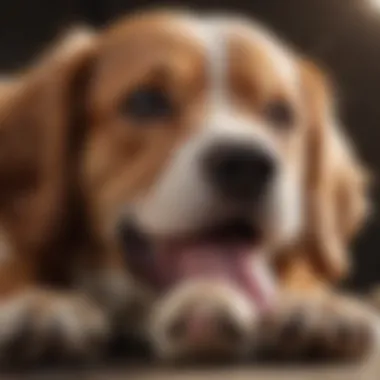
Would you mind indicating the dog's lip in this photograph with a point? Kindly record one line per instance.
(135, 241)
(229, 231)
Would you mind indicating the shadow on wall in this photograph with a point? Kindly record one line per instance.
(342, 35)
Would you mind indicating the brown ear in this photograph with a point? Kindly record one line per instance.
(37, 126)
(336, 182)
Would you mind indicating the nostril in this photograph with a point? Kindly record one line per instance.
(262, 167)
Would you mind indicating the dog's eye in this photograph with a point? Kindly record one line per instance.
(147, 104)
(279, 113)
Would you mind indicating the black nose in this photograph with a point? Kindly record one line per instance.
(239, 171)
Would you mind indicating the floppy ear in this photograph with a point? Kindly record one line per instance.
(336, 181)
(38, 124)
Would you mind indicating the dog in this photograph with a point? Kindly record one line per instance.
(183, 178)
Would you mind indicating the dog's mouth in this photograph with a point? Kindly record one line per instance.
(229, 253)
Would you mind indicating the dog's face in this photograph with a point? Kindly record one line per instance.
(203, 137)
(196, 154)
(206, 117)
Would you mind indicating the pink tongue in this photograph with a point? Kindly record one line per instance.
(228, 263)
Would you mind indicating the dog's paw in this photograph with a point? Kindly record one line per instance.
(42, 326)
(320, 328)
(201, 322)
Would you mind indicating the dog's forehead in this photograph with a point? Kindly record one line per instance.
(218, 39)
(221, 32)
(236, 45)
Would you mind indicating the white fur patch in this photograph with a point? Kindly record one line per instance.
(213, 31)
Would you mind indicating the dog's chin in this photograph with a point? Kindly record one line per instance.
(230, 254)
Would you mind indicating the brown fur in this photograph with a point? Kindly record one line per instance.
(336, 183)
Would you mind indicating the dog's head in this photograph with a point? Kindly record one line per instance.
(198, 147)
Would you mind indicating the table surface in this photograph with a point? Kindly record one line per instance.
(138, 373)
